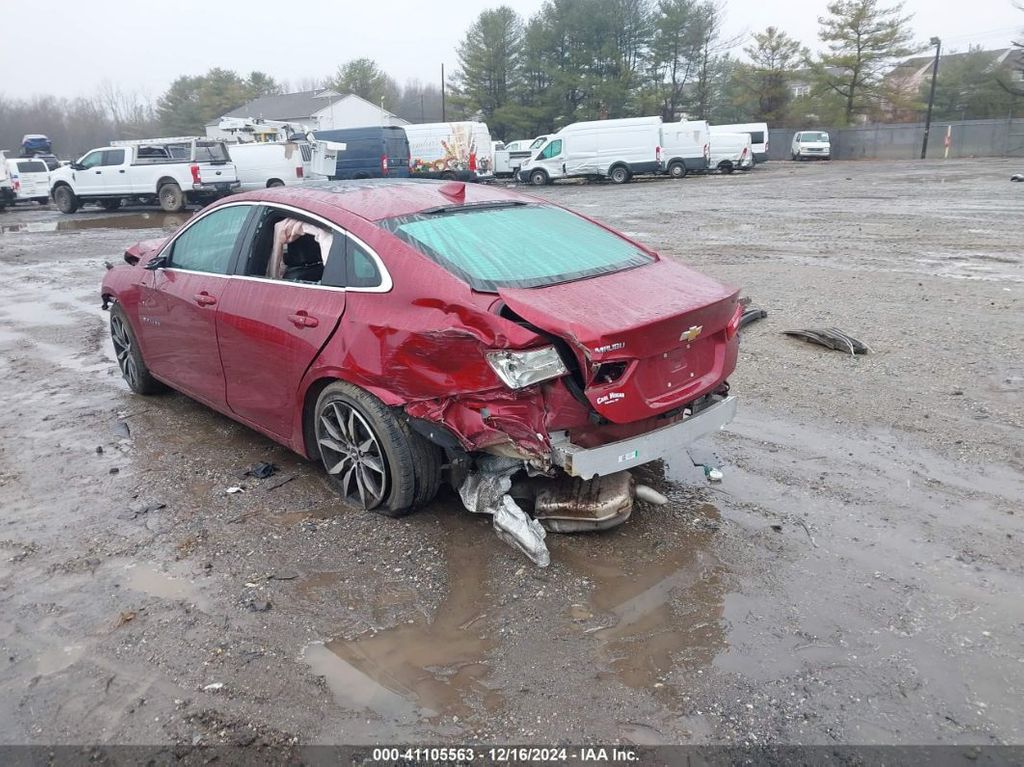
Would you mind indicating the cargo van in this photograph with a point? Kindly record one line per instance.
(378, 152)
(613, 149)
(731, 151)
(277, 163)
(685, 147)
(30, 179)
(456, 150)
(758, 137)
(809, 144)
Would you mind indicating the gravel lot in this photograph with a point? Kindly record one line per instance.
(856, 578)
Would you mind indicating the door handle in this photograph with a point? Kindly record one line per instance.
(99, 172)
(302, 320)
(205, 299)
(121, 171)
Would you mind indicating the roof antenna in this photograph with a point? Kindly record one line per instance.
(454, 190)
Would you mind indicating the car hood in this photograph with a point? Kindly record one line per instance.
(143, 251)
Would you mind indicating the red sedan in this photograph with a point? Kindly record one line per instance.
(396, 329)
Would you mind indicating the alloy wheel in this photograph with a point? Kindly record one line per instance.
(350, 450)
(122, 339)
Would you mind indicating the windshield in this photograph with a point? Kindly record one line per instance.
(522, 246)
(814, 136)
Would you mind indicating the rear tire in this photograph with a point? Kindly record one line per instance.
(619, 174)
(725, 167)
(110, 205)
(538, 178)
(65, 200)
(129, 355)
(373, 459)
(677, 170)
(274, 183)
(172, 199)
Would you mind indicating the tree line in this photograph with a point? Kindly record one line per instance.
(582, 60)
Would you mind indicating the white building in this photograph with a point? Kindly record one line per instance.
(313, 110)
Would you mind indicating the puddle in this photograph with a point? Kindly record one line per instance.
(423, 669)
(659, 610)
(167, 221)
(58, 659)
(157, 584)
(36, 314)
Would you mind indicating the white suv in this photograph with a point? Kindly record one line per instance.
(811, 143)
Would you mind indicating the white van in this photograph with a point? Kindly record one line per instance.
(731, 151)
(614, 149)
(685, 147)
(758, 137)
(277, 163)
(457, 150)
(30, 179)
(809, 144)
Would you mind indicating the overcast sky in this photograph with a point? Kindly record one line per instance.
(143, 45)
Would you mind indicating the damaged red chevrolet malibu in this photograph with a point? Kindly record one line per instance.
(405, 333)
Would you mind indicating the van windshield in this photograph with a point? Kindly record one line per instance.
(814, 136)
(516, 245)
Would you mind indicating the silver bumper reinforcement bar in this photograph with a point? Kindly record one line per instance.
(629, 453)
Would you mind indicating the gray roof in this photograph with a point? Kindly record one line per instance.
(285, 106)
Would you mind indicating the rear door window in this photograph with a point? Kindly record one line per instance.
(113, 157)
(208, 245)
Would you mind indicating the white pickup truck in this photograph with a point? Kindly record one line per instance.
(172, 172)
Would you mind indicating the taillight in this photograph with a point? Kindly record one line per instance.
(195, 174)
(657, 153)
(707, 151)
(15, 184)
(734, 324)
(298, 171)
(384, 164)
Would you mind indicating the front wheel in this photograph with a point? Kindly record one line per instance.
(172, 199)
(110, 205)
(66, 200)
(129, 356)
(725, 167)
(538, 178)
(619, 175)
(373, 459)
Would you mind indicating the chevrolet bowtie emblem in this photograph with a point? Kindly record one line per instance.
(691, 333)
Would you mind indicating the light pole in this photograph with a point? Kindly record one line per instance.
(931, 95)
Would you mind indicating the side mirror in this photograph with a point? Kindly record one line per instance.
(77, 166)
(157, 263)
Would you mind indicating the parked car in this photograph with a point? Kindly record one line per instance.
(35, 143)
(731, 151)
(381, 152)
(758, 133)
(390, 329)
(685, 147)
(455, 150)
(613, 149)
(810, 144)
(277, 163)
(30, 179)
(173, 172)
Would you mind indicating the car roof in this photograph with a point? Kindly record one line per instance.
(377, 199)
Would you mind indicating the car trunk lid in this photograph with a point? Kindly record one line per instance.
(647, 340)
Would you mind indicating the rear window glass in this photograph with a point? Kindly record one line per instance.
(33, 166)
(216, 152)
(524, 246)
(757, 137)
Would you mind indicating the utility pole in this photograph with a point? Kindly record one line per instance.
(443, 116)
(931, 95)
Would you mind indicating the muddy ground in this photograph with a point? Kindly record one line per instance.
(857, 577)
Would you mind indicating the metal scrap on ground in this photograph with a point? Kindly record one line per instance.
(833, 338)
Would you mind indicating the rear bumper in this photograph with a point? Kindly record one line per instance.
(220, 187)
(636, 451)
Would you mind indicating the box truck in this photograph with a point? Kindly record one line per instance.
(455, 150)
